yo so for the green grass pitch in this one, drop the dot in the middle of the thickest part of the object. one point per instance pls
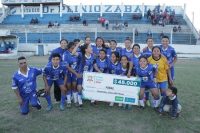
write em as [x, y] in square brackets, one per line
[101, 118]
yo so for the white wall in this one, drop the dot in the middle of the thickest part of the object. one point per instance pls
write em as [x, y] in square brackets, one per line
[183, 50]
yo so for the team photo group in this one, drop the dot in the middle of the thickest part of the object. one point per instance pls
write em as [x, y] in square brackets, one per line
[153, 65]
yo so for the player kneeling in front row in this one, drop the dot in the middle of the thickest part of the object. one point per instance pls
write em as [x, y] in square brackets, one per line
[55, 71]
[24, 85]
[170, 103]
[147, 73]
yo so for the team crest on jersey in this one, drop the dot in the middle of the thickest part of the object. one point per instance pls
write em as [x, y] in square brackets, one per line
[61, 71]
[168, 55]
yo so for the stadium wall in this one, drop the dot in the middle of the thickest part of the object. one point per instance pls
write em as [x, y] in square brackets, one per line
[32, 49]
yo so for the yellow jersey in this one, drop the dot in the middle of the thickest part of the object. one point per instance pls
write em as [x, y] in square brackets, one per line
[162, 68]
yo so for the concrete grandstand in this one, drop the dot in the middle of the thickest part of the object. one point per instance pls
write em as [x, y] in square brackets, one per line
[29, 21]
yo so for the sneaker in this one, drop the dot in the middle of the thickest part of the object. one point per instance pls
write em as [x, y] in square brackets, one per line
[69, 105]
[111, 104]
[62, 107]
[49, 107]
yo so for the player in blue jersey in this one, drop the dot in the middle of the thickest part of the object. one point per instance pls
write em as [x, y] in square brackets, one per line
[128, 48]
[87, 40]
[114, 66]
[73, 60]
[170, 53]
[135, 57]
[55, 72]
[88, 59]
[125, 70]
[113, 48]
[102, 63]
[24, 85]
[77, 42]
[100, 44]
[135, 61]
[147, 51]
[87, 64]
[147, 73]
[60, 50]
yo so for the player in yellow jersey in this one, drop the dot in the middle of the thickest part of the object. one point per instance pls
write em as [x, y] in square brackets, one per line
[163, 70]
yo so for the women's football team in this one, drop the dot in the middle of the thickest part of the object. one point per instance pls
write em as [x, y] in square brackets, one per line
[154, 65]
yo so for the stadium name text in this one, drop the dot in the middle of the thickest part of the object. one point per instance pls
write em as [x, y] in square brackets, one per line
[89, 9]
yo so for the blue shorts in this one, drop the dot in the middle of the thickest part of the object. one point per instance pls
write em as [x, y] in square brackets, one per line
[33, 99]
[71, 78]
[148, 85]
[58, 82]
[79, 81]
[162, 85]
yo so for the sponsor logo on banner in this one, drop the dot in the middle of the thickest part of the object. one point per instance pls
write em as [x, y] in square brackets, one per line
[90, 79]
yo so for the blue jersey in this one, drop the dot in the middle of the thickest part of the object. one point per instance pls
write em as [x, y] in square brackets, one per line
[128, 53]
[169, 53]
[26, 84]
[147, 52]
[53, 73]
[147, 74]
[109, 51]
[87, 63]
[114, 68]
[135, 60]
[58, 50]
[102, 65]
[122, 71]
[96, 50]
[72, 60]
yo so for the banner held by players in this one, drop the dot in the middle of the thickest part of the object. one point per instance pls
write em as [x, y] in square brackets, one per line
[111, 88]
